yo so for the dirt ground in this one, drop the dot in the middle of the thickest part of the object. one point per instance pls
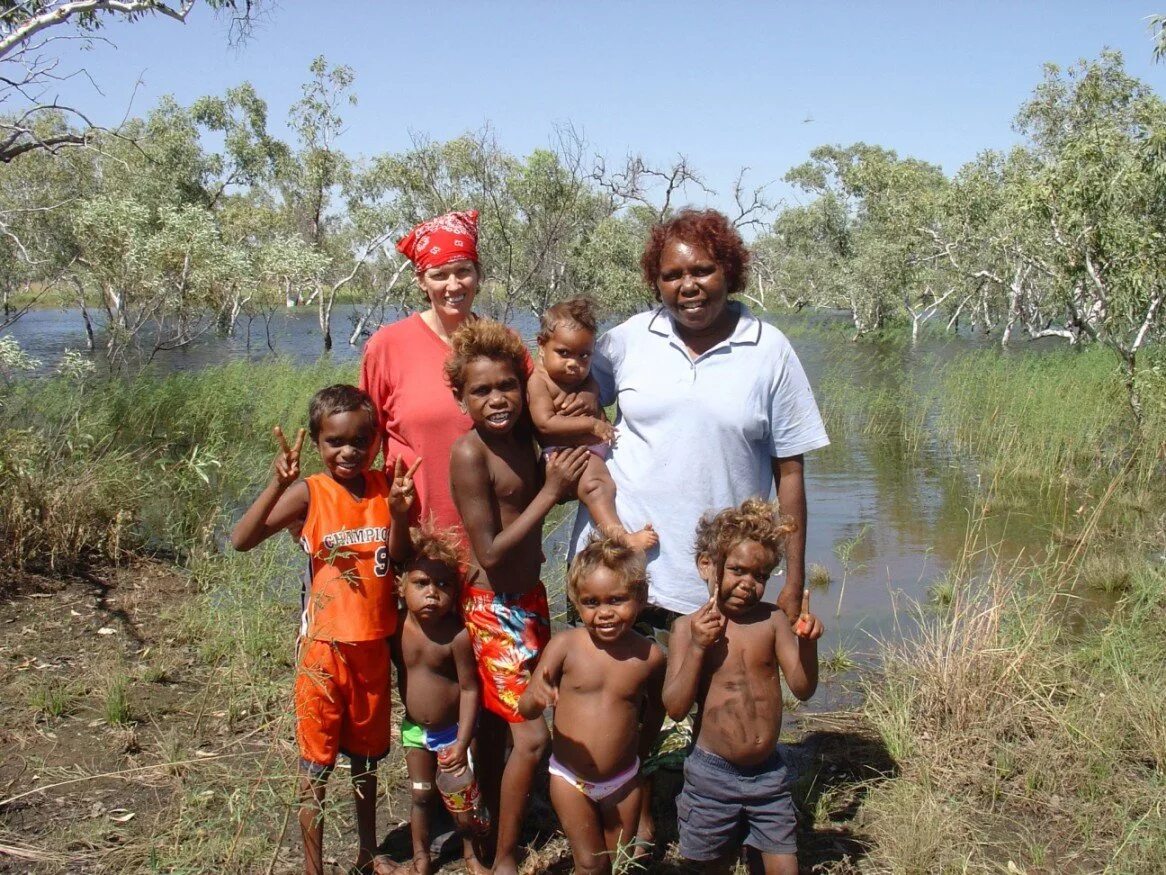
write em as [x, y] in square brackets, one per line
[122, 751]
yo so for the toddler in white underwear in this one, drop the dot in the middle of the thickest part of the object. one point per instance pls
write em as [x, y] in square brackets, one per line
[602, 679]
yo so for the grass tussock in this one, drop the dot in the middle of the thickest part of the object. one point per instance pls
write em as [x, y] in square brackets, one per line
[1017, 742]
[97, 470]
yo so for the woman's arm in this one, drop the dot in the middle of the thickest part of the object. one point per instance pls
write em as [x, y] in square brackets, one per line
[789, 475]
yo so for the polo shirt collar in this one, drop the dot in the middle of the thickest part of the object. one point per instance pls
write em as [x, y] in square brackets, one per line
[747, 331]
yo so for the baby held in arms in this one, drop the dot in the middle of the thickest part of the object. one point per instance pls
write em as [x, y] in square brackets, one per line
[566, 341]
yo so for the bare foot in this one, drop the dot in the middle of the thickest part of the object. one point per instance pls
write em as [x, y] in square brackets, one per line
[382, 865]
[422, 865]
[643, 540]
[505, 866]
[475, 867]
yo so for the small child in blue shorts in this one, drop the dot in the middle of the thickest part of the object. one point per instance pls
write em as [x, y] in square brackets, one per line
[725, 657]
[438, 681]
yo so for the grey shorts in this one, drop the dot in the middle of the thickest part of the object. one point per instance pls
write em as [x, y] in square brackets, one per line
[724, 806]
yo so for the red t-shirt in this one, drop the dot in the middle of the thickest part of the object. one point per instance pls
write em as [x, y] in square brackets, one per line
[403, 371]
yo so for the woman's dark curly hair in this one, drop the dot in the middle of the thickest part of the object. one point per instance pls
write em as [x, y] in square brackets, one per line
[708, 229]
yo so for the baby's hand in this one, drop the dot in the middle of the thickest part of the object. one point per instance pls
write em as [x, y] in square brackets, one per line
[808, 626]
[708, 624]
[454, 758]
[287, 460]
[402, 493]
[604, 430]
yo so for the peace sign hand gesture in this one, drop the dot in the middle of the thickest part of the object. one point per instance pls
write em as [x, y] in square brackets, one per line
[287, 461]
[403, 493]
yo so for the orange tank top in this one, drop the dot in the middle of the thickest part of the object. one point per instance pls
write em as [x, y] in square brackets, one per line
[351, 595]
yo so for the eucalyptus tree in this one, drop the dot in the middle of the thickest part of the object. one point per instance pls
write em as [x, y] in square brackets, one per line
[868, 226]
[1099, 194]
[162, 241]
[36, 244]
[30, 67]
[806, 257]
[535, 213]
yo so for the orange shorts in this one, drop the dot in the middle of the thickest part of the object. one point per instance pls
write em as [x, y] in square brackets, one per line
[509, 632]
[342, 701]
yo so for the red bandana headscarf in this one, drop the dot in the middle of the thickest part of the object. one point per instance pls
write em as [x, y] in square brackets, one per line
[441, 240]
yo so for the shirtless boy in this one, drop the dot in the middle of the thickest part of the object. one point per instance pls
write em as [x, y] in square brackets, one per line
[600, 678]
[438, 683]
[566, 341]
[502, 492]
[725, 656]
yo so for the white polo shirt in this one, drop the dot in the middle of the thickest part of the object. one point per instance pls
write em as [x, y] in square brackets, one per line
[696, 435]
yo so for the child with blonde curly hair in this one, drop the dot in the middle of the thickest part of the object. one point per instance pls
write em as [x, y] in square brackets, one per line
[604, 681]
[728, 657]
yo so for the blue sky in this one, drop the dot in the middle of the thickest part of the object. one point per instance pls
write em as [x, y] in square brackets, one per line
[728, 84]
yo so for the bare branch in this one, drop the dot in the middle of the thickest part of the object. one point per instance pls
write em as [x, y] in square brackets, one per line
[63, 12]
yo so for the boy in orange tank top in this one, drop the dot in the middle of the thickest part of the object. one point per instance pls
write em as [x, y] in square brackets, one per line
[349, 520]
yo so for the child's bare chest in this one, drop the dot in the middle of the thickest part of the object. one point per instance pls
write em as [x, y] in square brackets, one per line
[420, 653]
[599, 675]
[515, 479]
[744, 660]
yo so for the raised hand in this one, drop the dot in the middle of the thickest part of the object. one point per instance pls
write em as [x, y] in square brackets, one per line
[808, 626]
[564, 469]
[287, 461]
[707, 625]
[402, 493]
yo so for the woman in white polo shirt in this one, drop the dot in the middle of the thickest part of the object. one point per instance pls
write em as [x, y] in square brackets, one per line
[714, 408]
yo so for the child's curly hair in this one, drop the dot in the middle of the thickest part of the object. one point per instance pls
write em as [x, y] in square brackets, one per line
[708, 229]
[754, 520]
[578, 312]
[629, 564]
[436, 545]
[487, 339]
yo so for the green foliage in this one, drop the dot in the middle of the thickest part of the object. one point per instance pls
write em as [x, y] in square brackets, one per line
[95, 470]
[1063, 236]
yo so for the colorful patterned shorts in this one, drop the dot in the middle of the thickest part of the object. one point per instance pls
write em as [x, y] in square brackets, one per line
[509, 632]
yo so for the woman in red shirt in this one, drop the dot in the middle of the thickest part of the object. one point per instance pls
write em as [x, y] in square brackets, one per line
[402, 365]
